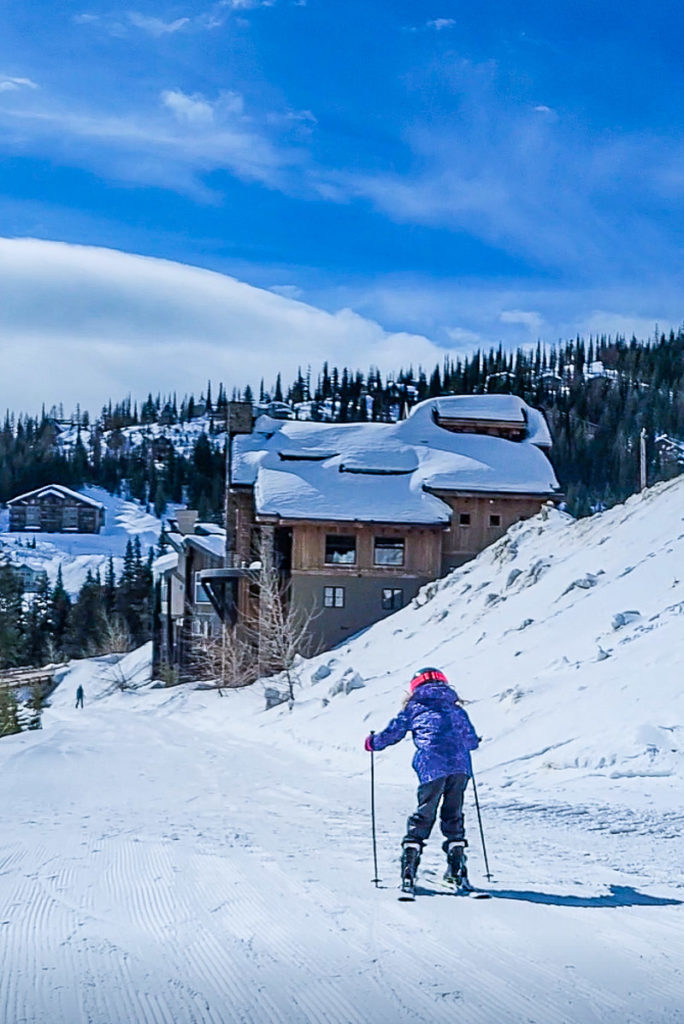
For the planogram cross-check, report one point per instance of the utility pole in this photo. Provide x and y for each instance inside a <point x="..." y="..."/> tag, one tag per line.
<point x="642" y="459"/>
<point x="228" y="513"/>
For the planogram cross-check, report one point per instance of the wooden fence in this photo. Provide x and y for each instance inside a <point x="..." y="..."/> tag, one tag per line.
<point x="14" y="678"/>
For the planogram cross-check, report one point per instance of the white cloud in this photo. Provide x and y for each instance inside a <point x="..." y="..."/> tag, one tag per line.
<point x="288" y="291"/>
<point x="120" y="25"/>
<point x="600" y="322"/>
<point x="80" y="324"/>
<point x="463" y="337"/>
<point x="439" y="24"/>
<point x="469" y="313"/>
<point x="246" y="5"/>
<point x="527" y="318"/>
<point x="152" y="147"/>
<point x="194" y="109"/>
<point x="11" y="84"/>
<point x="156" y="26"/>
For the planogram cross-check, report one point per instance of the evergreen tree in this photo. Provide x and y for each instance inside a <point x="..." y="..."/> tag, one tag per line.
<point x="60" y="612"/>
<point x="88" y="622"/>
<point x="11" y="617"/>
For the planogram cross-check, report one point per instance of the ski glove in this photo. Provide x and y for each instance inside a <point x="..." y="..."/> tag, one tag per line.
<point x="368" y="745"/>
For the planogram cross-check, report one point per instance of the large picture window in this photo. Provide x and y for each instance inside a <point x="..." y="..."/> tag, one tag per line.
<point x="340" y="549"/>
<point x="392" y="599"/>
<point x="333" y="597"/>
<point x="388" y="551"/>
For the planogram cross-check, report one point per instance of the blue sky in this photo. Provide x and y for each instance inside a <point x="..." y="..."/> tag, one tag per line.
<point x="467" y="173"/>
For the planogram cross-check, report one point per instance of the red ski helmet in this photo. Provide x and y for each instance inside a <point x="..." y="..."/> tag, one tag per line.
<point x="427" y="675"/>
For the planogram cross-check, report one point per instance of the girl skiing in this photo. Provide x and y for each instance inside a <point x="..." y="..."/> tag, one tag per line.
<point x="444" y="737"/>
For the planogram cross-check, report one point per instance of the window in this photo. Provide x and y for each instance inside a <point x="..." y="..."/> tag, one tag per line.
<point x="70" y="519"/>
<point x="33" y="516"/>
<point x="494" y="520"/>
<point x="464" y="519"/>
<point x="389" y="551"/>
<point x="333" y="597"/>
<point x="340" y="549"/>
<point x="392" y="599"/>
<point x="201" y="596"/>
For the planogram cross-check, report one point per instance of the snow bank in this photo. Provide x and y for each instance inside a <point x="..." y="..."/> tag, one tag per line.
<point x="564" y="638"/>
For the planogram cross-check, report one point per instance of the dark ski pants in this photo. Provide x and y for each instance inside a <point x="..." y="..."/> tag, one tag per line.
<point x="449" y="790"/>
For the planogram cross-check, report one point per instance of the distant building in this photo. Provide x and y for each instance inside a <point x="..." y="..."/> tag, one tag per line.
<point x="185" y="610"/>
<point x="32" y="579"/>
<point x="55" y="509"/>
<point x="361" y="515"/>
<point x="357" y="516"/>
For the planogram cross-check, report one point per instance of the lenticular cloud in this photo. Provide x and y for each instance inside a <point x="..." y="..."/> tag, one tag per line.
<point x="81" y="324"/>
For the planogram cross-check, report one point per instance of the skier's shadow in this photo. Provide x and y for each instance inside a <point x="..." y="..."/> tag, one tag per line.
<point x="617" y="896"/>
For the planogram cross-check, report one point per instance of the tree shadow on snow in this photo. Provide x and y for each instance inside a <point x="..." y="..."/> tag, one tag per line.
<point x="617" y="896"/>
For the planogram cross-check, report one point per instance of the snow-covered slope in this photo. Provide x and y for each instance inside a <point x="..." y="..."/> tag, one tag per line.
<point x="79" y="552"/>
<point x="566" y="639"/>
<point x="172" y="856"/>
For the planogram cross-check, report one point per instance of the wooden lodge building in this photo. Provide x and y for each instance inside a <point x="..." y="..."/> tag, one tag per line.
<point x="55" y="509"/>
<point x="359" y="516"/>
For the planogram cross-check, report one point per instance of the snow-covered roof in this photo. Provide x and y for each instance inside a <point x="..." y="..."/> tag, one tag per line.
<point x="493" y="408"/>
<point x="60" y="491"/>
<point x="501" y="408"/>
<point x="383" y="472"/>
<point x="165" y="563"/>
<point x="215" y="544"/>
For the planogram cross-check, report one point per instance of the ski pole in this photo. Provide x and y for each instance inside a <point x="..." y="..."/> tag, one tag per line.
<point x="479" y="820"/>
<point x="375" y="847"/>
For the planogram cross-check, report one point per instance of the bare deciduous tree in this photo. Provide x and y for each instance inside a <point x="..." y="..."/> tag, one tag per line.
<point x="116" y="637"/>
<point x="227" y="660"/>
<point x="266" y="642"/>
<point x="281" y="632"/>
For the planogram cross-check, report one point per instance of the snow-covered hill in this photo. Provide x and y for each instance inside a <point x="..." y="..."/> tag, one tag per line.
<point x="171" y="855"/>
<point x="566" y="639"/>
<point x="79" y="552"/>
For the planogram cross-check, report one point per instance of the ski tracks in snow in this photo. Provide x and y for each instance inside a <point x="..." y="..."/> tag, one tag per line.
<point x="160" y="873"/>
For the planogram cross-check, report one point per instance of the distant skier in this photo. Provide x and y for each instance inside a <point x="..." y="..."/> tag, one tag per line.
<point x="444" y="737"/>
<point x="79" y="697"/>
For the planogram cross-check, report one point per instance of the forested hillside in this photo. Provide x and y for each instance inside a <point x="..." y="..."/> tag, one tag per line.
<point x="597" y="396"/>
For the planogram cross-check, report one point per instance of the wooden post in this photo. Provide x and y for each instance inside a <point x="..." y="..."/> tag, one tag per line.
<point x="642" y="459"/>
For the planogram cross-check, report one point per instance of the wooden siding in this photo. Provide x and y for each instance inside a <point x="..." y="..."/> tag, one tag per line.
<point x="510" y="431"/>
<point x="462" y="542"/>
<point x="52" y="514"/>
<point x="422" y="549"/>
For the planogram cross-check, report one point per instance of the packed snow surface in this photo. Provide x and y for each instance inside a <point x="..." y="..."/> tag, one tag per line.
<point x="168" y="855"/>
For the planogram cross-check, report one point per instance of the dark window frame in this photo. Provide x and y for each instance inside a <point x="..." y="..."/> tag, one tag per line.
<point x="494" y="516"/>
<point x="464" y="519"/>
<point x="392" y="599"/>
<point x="334" y="596"/>
<point x="389" y="544"/>
<point x="331" y="539"/>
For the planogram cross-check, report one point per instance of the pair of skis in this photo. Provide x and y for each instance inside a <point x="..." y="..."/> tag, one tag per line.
<point x="462" y="888"/>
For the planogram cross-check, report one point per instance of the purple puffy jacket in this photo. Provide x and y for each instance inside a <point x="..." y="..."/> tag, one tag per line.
<point x="442" y="732"/>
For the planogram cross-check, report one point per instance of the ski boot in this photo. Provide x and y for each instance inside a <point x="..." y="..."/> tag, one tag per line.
<point x="456" y="871"/>
<point x="410" y="859"/>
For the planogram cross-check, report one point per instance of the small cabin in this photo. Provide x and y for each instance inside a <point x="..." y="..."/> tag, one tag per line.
<point x="55" y="509"/>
